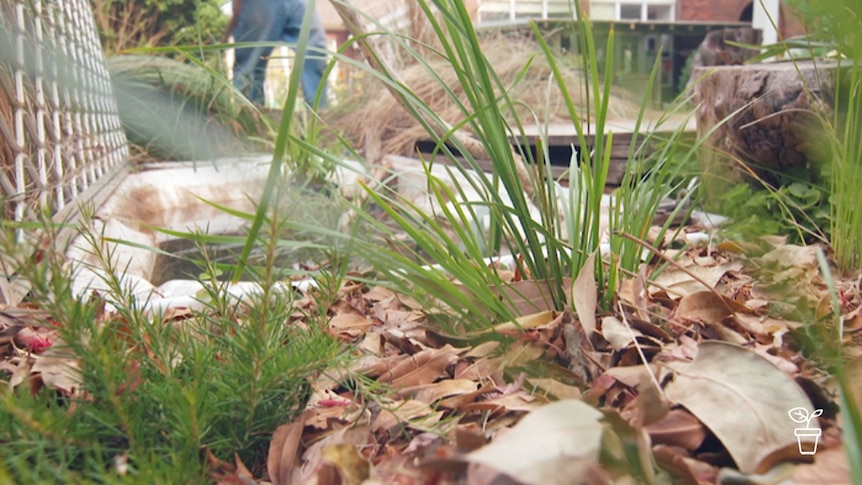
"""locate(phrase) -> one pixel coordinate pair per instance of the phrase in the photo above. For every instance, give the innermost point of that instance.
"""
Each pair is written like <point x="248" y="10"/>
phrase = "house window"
<point x="629" y="11"/>
<point x="603" y="11"/>
<point x="512" y="10"/>
<point x="661" y="10"/>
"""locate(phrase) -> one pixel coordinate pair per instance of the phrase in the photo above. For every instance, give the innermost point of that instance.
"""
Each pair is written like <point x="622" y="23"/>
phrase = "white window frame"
<point x="644" y="4"/>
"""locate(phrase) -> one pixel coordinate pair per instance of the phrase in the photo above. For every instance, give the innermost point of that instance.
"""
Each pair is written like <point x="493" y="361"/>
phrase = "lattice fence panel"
<point x="59" y="129"/>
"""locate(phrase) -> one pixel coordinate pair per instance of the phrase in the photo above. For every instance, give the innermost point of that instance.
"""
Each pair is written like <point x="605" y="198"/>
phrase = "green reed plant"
<point x="520" y="214"/>
<point x="833" y="26"/>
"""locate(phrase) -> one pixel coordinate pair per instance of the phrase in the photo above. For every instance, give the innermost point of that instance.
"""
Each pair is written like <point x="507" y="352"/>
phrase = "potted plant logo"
<point x="804" y="435"/>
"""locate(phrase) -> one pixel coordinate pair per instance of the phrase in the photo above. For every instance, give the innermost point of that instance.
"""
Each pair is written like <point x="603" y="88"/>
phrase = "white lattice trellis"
<point x="58" y="119"/>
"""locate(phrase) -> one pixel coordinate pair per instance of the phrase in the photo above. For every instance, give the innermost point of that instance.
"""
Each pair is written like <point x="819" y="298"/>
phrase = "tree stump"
<point x="760" y="121"/>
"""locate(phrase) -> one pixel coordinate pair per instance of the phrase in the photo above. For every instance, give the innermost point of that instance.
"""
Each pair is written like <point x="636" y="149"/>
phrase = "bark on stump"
<point x="766" y="120"/>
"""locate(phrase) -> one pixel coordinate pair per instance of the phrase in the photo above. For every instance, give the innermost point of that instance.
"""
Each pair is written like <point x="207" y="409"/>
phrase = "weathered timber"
<point x="760" y="120"/>
<point x="560" y="137"/>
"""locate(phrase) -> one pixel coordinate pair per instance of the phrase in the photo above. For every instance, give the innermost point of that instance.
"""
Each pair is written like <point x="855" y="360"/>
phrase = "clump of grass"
<point x="518" y="207"/>
<point x="152" y="394"/>
<point x="175" y="110"/>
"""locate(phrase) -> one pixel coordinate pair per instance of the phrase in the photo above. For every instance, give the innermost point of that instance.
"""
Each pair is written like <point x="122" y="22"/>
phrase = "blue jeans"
<point x="272" y="21"/>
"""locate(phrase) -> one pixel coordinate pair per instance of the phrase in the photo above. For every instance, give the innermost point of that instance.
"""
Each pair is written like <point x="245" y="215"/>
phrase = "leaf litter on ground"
<point x="680" y="383"/>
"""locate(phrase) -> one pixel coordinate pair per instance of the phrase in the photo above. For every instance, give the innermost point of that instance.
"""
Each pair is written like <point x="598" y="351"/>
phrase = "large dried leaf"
<point x="678" y="428"/>
<point x="354" y="435"/>
<point x="617" y="333"/>
<point x="526" y="322"/>
<point x="281" y="461"/>
<point x="530" y="296"/>
<point x="681" y="467"/>
<point x="703" y="306"/>
<point x="422" y="368"/>
<point x="585" y="295"/>
<point x="405" y="412"/>
<point x="352" y="468"/>
<point x="830" y="466"/>
<point x="681" y="283"/>
<point x="58" y="369"/>
<point x="439" y="390"/>
<point x="350" y="324"/>
<point x="552" y="445"/>
<point x="555" y="387"/>
<point x="741" y="397"/>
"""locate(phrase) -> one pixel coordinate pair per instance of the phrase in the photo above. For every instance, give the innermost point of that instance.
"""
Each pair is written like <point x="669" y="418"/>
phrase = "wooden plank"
<point x="616" y="171"/>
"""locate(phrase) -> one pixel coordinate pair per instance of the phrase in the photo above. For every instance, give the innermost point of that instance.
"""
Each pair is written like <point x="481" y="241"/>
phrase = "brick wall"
<point x="711" y="10"/>
<point x="791" y="24"/>
<point x="731" y="11"/>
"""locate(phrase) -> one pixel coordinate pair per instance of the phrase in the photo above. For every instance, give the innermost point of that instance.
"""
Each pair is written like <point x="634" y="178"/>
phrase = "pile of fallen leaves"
<point x="694" y="377"/>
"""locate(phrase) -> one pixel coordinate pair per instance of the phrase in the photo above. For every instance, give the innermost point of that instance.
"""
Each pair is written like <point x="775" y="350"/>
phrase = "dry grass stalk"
<point x="472" y="145"/>
<point x="372" y="112"/>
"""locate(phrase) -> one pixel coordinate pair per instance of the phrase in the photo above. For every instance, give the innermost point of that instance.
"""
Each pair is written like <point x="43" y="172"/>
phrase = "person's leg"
<point x="258" y="21"/>
<point x="315" y="56"/>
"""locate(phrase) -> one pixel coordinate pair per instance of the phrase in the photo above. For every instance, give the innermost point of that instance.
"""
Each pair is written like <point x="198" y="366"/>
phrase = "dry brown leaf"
<point x="439" y="390"/>
<point x="459" y="401"/>
<point x="678" y="428"/>
<point x="352" y="469"/>
<point x="787" y="255"/>
<point x="683" y="469"/>
<point x="741" y="397"/>
<point x="18" y="371"/>
<point x="422" y="368"/>
<point x="355" y="435"/>
<point x="549" y="446"/>
<point x="321" y="417"/>
<point x="58" y="370"/>
<point x="764" y="324"/>
<point x="555" y="388"/>
<point x="584" y="296"/>
<point x="372" y="343"/>
<point x="479" y="370"/>
<point x="522" y="352"/>
<point x="281" y="460"/>
<point x="403" y="412"/>
<point x="392" y="314"/>
<point x="830" y="466"/>
<point x="630" y="376"/>
<point x="684" y="351"/>
<point x="379" y="293"/>
<point x="526" y="322"/>
<point x="633" y="291"/>
<point x="484" y="349"/>
<point x="242" y="471"/>
<point x="651" y="405"/>
<point x="374" y="366"/>
<point x="679" y="283"/>
<point x="516" y="401"/>
<point x="350" y="324"/>
<point x="617" y="333"/>
<point x="530" y="296"/>
<point x="781" y="363"/>
<point x="216" y="466"/>
<point x="703" y="306"/>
